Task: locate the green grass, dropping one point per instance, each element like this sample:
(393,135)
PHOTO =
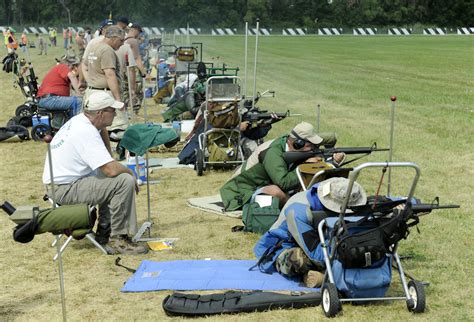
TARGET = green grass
(352,78)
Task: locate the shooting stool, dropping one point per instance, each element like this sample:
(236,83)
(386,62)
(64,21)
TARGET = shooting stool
(77,234)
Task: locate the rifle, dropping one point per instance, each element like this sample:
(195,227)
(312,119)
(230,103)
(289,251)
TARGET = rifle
(255,115)
(297,157)
(425,208)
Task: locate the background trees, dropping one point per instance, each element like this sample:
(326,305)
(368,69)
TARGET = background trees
(232,13)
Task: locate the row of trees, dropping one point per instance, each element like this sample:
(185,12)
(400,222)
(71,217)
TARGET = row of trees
(233,13)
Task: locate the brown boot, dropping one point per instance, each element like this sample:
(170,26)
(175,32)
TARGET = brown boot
(122,244)
(313,279)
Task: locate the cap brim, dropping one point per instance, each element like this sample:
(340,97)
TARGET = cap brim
(316,139)
(117,105)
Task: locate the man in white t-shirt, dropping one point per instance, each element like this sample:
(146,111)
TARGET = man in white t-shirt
(85,172)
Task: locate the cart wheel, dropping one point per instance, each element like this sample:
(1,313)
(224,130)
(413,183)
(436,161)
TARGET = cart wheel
(417,304)
(330,300)
(23,110)
(199,162)
(38,132)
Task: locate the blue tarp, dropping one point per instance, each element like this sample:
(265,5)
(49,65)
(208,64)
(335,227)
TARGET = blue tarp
(191,275)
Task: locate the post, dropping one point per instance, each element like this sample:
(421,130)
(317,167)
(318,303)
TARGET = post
(390,152)
(48,138)
(245,58)
(255,64)
(318,116)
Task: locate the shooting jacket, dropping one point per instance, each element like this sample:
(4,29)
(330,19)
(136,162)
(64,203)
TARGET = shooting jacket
(271,169)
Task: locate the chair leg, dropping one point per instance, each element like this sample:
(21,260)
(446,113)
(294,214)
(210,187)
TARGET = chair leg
(63,247)
(90,237)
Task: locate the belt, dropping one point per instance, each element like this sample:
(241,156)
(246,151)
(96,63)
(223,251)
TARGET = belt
(99,89)
(47,95)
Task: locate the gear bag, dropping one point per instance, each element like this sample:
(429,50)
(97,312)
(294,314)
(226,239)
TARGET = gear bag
(258,219)
(14,133)
(224,116)
(74,219)
(223,146)
(235,301)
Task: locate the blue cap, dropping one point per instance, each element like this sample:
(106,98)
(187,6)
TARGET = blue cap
(106,22)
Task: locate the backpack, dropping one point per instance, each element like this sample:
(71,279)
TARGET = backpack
(223,146)
(9,63)
(258,219)
(14,133)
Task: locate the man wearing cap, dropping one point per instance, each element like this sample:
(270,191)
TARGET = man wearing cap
(266,171)
(132,39)
(292,246)
(85,172)
(80,43)
(101,63)
(54,92)
(165,82)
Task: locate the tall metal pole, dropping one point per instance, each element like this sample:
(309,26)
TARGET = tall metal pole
(245,57)
(48,138)
(255,63)
(390,152)
(318,115)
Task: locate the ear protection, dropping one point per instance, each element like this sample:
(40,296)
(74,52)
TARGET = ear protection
(299,142)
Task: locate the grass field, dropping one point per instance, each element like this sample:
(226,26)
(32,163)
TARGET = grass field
(352,78)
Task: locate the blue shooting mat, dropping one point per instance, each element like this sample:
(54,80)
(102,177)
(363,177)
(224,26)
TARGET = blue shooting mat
(194,275)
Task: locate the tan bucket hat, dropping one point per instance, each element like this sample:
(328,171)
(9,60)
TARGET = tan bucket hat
(331,193)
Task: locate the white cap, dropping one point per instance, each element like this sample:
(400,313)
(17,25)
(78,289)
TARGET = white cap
(99,100)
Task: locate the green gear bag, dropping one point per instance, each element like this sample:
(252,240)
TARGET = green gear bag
(258,219)
(71,217)
(223,146)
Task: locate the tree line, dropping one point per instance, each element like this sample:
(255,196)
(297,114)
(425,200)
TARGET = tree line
(233,13)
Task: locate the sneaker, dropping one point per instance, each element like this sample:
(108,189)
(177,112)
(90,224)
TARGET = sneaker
(123,244)
(313,279)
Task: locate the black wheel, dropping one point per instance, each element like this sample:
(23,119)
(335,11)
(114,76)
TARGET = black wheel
(199,162)
(38,132)
(417,304)
(23,110)
(330,300)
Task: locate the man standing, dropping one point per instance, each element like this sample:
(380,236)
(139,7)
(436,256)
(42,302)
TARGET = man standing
(85,172)
(81,44)
(102,70)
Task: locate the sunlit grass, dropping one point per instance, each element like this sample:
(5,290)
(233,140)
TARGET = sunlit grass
(352,78)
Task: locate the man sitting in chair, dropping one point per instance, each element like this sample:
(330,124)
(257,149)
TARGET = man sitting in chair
(266,171)
(54,92)
(292,246)
(85,172)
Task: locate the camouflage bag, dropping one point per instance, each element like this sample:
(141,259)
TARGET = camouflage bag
(223,146)
(224,115)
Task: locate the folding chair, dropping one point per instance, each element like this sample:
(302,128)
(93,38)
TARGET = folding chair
(77,234)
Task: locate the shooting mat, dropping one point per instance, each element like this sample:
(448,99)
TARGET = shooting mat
(165,163)
(193,275)
(213,204)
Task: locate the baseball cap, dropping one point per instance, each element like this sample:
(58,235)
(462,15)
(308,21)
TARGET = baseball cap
(135,25)
(106,22)
(331,193)
(99,100)
(305,131)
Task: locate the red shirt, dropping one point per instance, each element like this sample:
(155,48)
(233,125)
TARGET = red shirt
(56,81)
